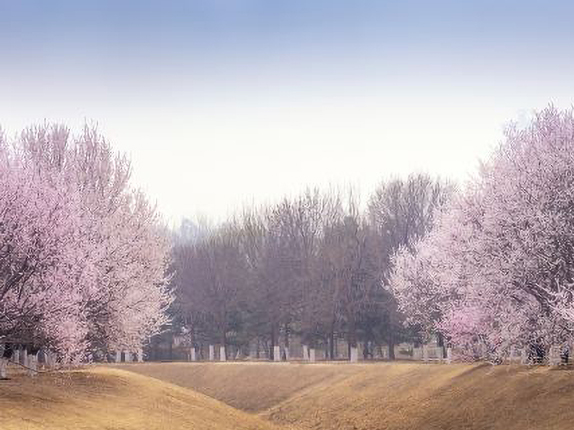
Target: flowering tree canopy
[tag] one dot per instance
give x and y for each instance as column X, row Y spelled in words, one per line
column 498, row 269
column 83, row 256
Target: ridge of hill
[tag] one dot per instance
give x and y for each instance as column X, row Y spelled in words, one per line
column 106, row 398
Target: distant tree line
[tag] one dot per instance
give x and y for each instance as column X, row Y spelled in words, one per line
column 488, row 269
column 314, row 266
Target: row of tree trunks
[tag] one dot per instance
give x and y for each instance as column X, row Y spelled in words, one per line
column 556, row 355
column 26, row 356
column 128, row 356
column 283, row 353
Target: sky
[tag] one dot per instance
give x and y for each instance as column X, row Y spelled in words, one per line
column 226, row 103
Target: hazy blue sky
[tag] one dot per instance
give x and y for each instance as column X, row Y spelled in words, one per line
column 221, row 103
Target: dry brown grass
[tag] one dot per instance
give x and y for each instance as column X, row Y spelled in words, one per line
column 386, row 396
column 379, row 396
column 252, row 387
column 112, row 399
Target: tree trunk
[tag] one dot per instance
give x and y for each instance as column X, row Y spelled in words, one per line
column 223, row 347
column 391, row 343
column 272, row 345
column 352, row 336
column 352, row 342
column 286, row 339
column 332, row 344
column 211, row 352
column 440, row 342
column 3, row 367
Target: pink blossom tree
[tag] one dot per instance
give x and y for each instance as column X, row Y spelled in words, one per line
column 83, row 255
column 40, row 298
column 498, row 268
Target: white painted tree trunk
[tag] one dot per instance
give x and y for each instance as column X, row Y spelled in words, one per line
column 118, row 356
column 554, row 358
column 222, row 355
column 524, row 356
column 140, row 356
column 448, row 355
column 286, row 353
column 48, row 359
column 192, row 355
column 3, row 368
column 127, row 356
column 238, row 355
column 32, row 364
column 312, row 355
column 276, row 353
column 24, row 355
column 16, row 356
column 354, row 355
column 3, row 362
column 425, row 354
column 211, row 353
column 305, row 353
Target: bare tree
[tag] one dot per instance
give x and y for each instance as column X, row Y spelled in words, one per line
column 211, row 279
column 401, row 212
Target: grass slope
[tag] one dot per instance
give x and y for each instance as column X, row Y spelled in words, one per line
column 386, row 396
column 252, row 387
column 105, row 398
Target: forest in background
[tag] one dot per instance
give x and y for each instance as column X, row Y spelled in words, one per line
column 486, row 268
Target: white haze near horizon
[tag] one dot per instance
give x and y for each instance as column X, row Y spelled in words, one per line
column 210, row 159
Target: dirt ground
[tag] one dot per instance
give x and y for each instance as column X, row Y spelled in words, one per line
column 272, row 396
column 383, row 395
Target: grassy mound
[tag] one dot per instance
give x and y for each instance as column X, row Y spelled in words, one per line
column 105, row 398
column 386, row 396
